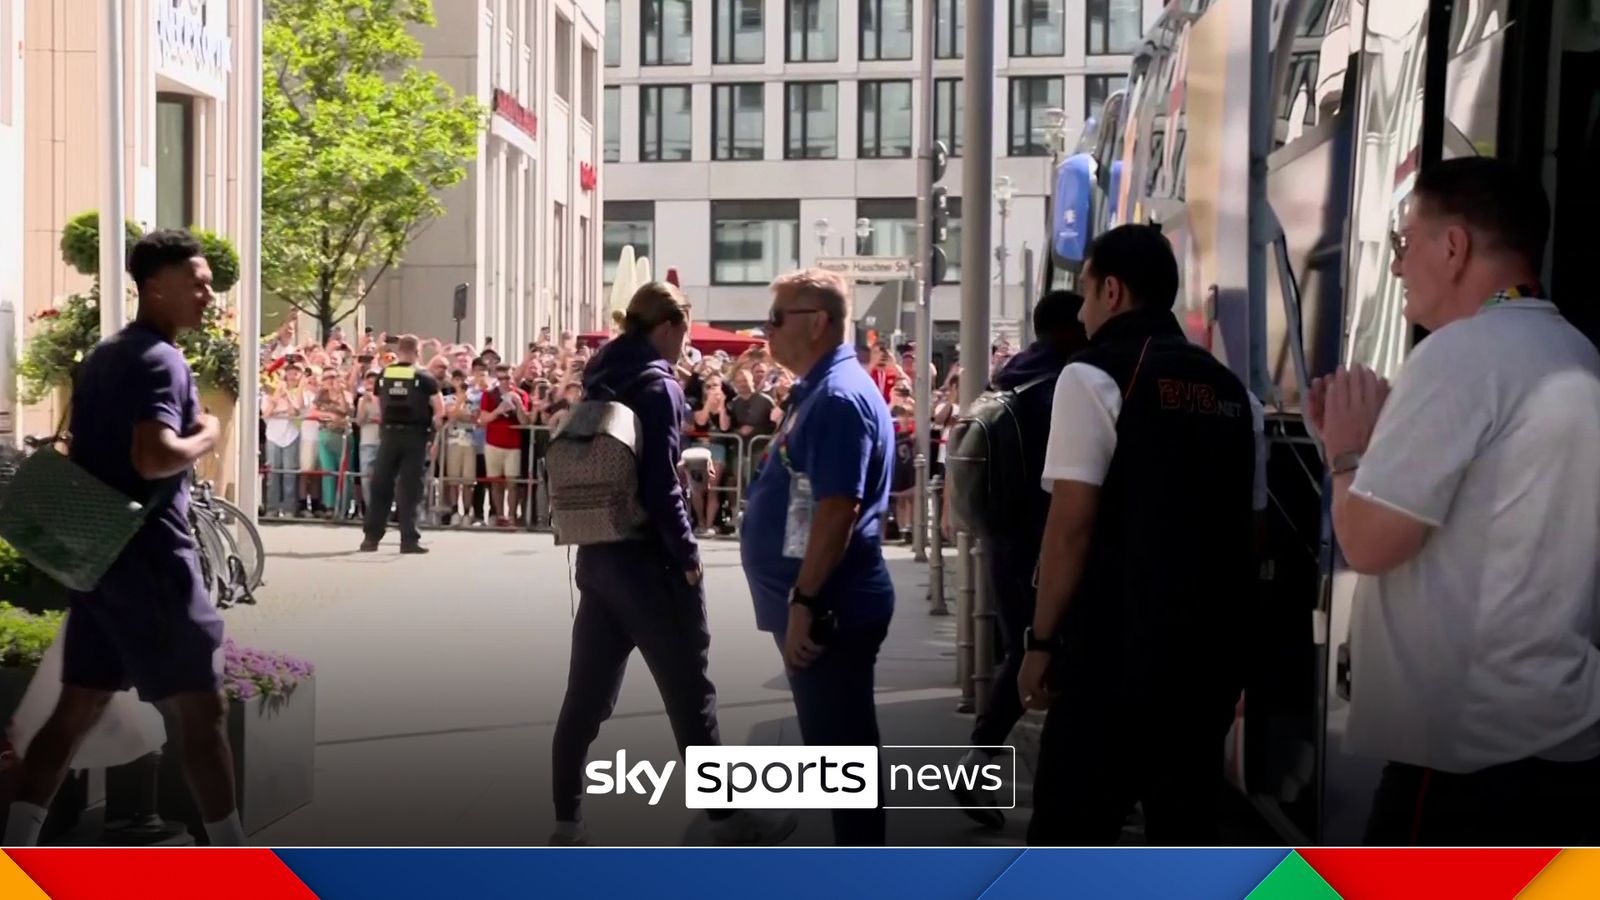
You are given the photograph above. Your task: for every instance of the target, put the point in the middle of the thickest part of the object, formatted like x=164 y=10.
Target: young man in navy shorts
x=137 y=425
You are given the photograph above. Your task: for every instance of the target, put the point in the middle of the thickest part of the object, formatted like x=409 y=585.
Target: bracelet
x=1344 y=463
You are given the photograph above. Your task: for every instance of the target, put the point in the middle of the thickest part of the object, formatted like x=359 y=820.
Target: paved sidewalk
x=439 y=679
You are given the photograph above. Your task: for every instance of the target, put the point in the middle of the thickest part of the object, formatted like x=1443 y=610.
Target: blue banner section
x=1114 y=195
x=782 y=873
x=1070 y=211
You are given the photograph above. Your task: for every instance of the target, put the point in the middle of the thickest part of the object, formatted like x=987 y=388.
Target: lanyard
x=1515 y=292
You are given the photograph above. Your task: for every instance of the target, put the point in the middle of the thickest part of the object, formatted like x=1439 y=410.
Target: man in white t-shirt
x=1472 y=506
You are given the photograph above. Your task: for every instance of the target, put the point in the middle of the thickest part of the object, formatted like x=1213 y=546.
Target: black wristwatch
x=1033 y=642
x=812 y=603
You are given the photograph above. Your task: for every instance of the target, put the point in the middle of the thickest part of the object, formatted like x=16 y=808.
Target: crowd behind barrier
x=320 y=427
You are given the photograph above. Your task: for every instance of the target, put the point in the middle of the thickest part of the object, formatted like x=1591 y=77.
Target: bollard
x=919 y=520
x=964 y=598
x=982 y=630
x=938 y=605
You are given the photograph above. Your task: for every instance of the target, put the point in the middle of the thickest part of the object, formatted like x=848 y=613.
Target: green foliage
x=356 y=143
x=213 y=351
x=13 y=568
x=25 y=636
x=221 y=256
x=80 y=241
x=64 y=336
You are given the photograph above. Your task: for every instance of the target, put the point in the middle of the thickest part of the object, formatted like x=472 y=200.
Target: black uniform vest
x=1157 y=617
x=404 y=405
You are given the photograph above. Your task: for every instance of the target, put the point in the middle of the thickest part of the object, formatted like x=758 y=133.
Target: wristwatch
x=812 y=603
x=1033 y=642
x=1344 y=463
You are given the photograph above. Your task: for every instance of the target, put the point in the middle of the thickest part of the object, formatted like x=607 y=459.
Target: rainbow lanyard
x=1515 y=292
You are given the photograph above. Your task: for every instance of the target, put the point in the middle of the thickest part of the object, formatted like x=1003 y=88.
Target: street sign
x=867 y=268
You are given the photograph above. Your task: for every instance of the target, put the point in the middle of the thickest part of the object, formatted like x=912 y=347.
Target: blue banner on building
x=1074 y=191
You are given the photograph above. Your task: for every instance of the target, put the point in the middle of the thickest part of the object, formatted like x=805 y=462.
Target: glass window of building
x=885 y=108
x=950 y=33
x=738 y=121
x=885 y=29
x=586 y=79
x=1114 y=26
x=613 y=32
x=738 y=30
x=1038 y=27
x=893 y=227
x=949 y=110
x=754 y=241
x=627 y=223
x=1096 y=88
x=1030 y=97
x=666 y=123
x=563 y=58
x=667 y=32
x=813 y=30
x=812 y=124
x=613 y=132
x=174 y=161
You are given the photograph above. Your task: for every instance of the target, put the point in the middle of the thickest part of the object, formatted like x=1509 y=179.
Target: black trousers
x=1011 y=586
x=397 y=474
x=1099 y=755
x=1527 y=803
x=630 y=597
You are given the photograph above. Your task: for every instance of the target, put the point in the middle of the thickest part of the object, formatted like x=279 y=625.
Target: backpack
x=592 y=468
x=990 y=473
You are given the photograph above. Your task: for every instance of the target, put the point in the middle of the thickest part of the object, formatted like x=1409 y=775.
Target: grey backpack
x=592 y=466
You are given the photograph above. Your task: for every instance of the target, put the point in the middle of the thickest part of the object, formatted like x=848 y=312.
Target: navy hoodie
x=630 y=370
x=1042 y=358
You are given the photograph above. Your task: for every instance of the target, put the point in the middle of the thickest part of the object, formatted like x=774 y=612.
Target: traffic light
x=938 y=214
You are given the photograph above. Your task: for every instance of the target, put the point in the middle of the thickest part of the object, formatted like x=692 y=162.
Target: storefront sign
x=185 y=40
x=867 y=267
x=507 y=107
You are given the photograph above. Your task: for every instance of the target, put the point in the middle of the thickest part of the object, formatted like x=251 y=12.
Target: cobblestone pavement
x=439 y=678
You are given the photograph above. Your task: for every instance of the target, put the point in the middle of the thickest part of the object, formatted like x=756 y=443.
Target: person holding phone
x=711 y=420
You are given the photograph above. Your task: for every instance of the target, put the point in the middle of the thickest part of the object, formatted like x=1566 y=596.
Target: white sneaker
x=978 y=803
x=747 y=827
x=569 y=834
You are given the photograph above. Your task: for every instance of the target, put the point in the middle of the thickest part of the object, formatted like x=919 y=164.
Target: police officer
x=410 y=408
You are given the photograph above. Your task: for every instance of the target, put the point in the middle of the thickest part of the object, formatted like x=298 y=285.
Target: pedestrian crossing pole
x=926 y=278
x=113 y=200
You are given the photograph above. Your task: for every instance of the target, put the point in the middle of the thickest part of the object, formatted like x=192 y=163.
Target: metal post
x=113 y=203
x=982 y=632
x=1029 y=298
x=937 y=604
x=964 y=591
x=1261 y=119
x=924 y=333
x=249 y=287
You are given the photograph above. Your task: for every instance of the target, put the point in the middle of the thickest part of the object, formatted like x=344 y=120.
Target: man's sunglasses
x=776 y=317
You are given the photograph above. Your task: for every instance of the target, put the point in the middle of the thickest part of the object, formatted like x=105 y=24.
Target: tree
x=356 y=143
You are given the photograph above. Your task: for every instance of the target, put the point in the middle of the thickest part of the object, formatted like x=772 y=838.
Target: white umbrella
x=623 y=286
x=642 y=275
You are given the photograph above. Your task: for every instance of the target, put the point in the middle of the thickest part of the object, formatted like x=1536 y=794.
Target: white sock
x=23 y=824
x=226 y=833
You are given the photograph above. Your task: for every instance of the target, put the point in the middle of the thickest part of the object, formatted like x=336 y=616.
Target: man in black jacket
x=1012 y=559
x=1145 y=565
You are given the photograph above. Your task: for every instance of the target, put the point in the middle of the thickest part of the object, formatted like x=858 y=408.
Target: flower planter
x=67 y=808
x=274 y=749
x=221 y=467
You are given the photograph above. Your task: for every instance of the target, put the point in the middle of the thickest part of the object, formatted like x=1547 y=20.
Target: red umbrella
x=705 y=338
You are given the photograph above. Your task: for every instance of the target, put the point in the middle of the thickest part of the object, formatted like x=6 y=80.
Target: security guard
x=410 y=408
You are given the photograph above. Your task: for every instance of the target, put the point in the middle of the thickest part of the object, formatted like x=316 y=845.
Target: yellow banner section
x=15 y=883
x=1572 y=875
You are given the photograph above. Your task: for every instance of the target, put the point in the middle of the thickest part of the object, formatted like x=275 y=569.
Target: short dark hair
x=1056 y=315
x=159 y=250
x=1493 y=198
x=1140 y=257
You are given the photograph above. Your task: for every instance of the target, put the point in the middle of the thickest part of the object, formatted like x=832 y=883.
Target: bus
x=1363 y=96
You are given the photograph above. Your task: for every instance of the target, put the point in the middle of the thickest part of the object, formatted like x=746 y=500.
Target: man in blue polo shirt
x=812 y=534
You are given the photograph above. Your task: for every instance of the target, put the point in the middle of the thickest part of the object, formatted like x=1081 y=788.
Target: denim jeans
x=283 y=464
x=368 y=457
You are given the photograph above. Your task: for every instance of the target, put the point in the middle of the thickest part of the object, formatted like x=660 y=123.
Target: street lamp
x=1003 y=194
x=1055 y=132
x=822 y=229
x=863 y=231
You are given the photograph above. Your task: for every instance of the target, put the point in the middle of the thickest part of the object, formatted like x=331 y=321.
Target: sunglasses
x=776 y=317
x=1399 y=242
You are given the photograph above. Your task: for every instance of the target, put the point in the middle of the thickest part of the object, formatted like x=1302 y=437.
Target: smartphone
x=824 y=627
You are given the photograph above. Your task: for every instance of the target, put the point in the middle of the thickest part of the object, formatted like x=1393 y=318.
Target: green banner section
x=1293 y=879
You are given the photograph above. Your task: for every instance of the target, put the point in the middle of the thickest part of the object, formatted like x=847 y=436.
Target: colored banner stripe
x=15 y=883
x=1293 y=879
x=182 y=874
x=1572 y=875
x=1378 y=874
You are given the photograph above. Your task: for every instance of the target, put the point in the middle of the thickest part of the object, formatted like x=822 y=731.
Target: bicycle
x=232 y=570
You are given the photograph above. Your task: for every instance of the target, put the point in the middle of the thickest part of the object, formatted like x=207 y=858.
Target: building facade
x=746 y=137
x=183 y=127
x=522 y=231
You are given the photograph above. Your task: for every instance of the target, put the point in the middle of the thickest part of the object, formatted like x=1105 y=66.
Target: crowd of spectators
x=320 y=423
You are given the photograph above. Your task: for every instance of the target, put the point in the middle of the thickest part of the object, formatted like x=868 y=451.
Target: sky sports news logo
x=897 y=777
